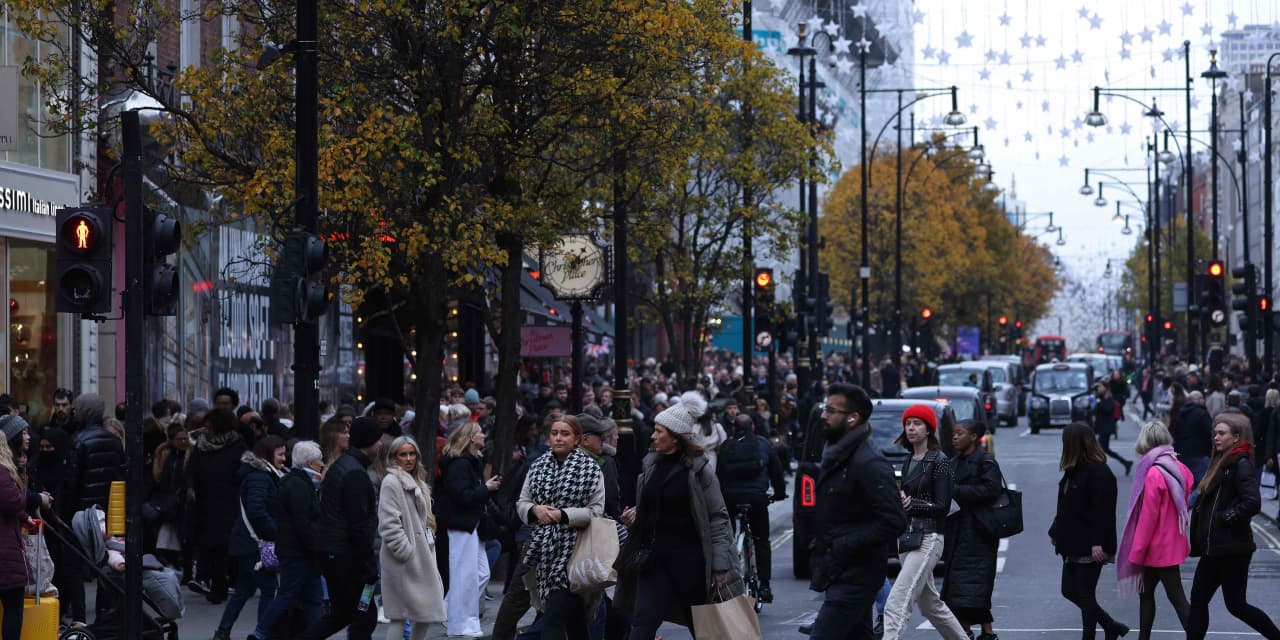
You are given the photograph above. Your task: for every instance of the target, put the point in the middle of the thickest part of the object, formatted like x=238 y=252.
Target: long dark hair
x=1240 y=426
x=1079 y=445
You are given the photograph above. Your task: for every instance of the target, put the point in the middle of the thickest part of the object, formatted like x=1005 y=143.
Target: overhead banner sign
x=9 y=112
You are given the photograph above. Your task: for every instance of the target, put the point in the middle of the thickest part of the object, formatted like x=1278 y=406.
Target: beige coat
x=411 y=585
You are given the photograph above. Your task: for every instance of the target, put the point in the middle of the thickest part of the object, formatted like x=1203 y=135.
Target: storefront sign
x=9 y=111
x=545 y=342
x=247 y=344
x=23 y=202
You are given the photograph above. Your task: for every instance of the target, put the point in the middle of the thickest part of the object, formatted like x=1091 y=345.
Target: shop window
x=33 y=325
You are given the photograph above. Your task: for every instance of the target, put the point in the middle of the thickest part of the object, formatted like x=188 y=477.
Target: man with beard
x=859 y=517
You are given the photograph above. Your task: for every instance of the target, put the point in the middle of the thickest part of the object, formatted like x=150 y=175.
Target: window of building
x=33 y=325
x=37 y=146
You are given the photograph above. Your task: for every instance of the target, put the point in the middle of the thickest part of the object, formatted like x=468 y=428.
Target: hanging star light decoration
x=1077 y=56
x=944 y=57
x=1089 y=137
x=1083 y=12
x=1066 y=133
x=864 y=45
x=1026 y=76
x=989 y=123
x=1005 y=57
x=831 y=28
x=1187 y=8
x=1025 y=40
x=964 y=40
x=1018 y=105
x=1126 y=38
x=973 y=108
x=917 y=17
x=991 y=55
x=1060 y=62
x=1125 y=129
x=1164 y=27
x=984 y=74
x=1095 y=22
x=860 y=11
x=1044 y=106
x=1168 y=55
x=1232 y=18
x=1028 y=137
x=1146 y=34
x=1064 y=161
x=1206 y=30
x=1195 y=103
x=1005 y=19
x=1125 y=54
x=1077 y=123
x=1008 y=84
x=844 y=65
x=1041 y=40
x=842 y=44
x=929 y=52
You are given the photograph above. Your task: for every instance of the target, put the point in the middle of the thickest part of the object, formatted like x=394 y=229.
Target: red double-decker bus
x=1115 y=343
x=1049 y=348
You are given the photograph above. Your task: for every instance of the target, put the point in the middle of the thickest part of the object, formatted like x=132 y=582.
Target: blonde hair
x=1154 y=434
x=459 y=443
x=419 y=473
x=7 y=463
x=1272 y=399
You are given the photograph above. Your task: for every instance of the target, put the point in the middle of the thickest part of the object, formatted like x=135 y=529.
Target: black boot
x=1117 y=630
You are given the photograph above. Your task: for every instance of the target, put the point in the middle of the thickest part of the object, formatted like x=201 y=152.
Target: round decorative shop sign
x=574 y=268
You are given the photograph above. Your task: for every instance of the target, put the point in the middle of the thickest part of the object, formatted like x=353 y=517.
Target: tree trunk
x=508 y=355
x=429 y=310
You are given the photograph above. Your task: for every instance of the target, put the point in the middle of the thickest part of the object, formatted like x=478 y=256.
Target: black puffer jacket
x=859 y=515
x=96 y=460
x=928 y=483
x=1221 y=516
x=1086 y=515
x=299 y=508
x=461 y=504
x=212 y=476
x=970 y=552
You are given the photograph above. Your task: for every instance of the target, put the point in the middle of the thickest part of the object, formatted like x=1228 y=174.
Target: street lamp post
x=1268 y=231
x=748 y=285
x=801 y=287
x=1213 y=74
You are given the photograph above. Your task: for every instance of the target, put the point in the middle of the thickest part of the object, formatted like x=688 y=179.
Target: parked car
x=1019 y=376
x=886 y=426
x=1061 y=393
x=966 y=404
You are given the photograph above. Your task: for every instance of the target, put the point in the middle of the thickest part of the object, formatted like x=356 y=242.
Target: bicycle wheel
x=750 y=579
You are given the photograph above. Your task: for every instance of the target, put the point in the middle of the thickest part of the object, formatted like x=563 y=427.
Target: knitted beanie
x=682 y=417
x=924 y=414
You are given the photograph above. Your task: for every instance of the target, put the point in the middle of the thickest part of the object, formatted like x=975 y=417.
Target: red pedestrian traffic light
x=1264 y=303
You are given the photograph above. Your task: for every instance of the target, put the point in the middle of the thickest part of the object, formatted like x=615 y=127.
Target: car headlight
x=1039 y=402
x=1081 y=403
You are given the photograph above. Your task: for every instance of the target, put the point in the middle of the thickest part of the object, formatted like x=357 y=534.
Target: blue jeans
x=299 y=584
x=247 y=582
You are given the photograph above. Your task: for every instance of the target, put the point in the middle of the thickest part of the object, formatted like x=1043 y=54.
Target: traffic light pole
x=306 y=334
x=135 y=371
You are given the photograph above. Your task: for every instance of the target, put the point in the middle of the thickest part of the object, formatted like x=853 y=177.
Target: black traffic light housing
x=296 y=296
x=823 y=306
x=83 y=258
x=764 y=286
x=1243 y=288
x=1213 y=300
x=161 y=237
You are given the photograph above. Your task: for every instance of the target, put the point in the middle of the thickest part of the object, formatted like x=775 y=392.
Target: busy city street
x=639 y=320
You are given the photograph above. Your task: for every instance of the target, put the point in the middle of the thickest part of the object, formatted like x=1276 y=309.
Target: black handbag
x=1003 y=518
x=635 y=556
x=910 y=540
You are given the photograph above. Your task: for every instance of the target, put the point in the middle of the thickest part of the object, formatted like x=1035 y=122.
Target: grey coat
x=712 y=519
x=411 y=585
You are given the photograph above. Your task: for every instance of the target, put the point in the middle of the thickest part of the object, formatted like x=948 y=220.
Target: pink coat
x=1158 y=540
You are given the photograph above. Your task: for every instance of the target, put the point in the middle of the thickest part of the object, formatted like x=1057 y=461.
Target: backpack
x=739 y=458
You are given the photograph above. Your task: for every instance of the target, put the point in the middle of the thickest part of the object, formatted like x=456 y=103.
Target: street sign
x=1179 y=297
x=575 y=268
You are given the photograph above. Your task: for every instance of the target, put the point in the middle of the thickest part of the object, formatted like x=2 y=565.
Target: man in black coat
x=859 y=516
x=745 y=484
x=344 y=537
x=1192 y=431
x=97 y=459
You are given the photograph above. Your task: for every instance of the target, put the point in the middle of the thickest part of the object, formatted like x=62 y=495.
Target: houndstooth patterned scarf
x=560 y=485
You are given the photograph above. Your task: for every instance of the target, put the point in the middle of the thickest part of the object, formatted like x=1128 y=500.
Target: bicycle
x=747 y=551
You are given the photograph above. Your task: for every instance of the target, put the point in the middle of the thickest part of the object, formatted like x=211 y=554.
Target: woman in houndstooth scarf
x=561 y=494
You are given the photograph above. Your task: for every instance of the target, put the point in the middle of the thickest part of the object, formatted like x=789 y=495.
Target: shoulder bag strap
x=245 y=518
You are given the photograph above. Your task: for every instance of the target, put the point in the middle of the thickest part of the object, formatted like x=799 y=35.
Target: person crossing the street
x=970 y=551
x=748 y=466
x=858 y=516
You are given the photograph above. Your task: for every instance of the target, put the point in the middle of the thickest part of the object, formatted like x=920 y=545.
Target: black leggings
x=1080 y=585
x=1104 y=439
x=564 y=617
x=11 y=600
x=1171 y=578
x=1231 y=573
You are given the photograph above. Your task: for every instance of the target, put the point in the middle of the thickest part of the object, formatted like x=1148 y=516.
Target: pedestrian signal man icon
x=82 y=234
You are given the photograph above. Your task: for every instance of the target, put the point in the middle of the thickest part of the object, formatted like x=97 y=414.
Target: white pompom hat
x=682 y=417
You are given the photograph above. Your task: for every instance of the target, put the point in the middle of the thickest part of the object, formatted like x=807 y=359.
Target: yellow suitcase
x=40 y=621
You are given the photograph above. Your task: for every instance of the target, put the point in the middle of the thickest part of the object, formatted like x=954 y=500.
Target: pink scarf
x=1128 y=574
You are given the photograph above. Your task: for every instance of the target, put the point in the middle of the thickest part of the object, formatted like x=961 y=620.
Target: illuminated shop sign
x=20 y=201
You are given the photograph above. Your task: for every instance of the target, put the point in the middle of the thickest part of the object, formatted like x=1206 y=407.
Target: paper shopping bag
x=733 y=619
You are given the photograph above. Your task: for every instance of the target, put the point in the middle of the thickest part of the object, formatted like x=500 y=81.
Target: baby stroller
x=161 y=594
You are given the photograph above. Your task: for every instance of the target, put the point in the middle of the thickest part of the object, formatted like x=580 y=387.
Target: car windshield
x=998 y=374
x=957 y=378
x=964 y=408
x=886 y=426
x=1061 y=381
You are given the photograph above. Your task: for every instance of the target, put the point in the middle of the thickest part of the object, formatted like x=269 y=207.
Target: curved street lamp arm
x=932 y=93
x=1159 y=116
